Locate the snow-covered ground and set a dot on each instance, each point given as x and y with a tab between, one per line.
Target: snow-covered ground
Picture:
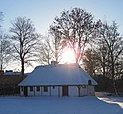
113	100
61	105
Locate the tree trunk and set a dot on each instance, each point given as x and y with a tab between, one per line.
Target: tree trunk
103	70
22	68
113	76
1	67
78	51
56	55
115	87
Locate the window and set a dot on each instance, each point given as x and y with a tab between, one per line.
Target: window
38	88
89	82
45	89
31	88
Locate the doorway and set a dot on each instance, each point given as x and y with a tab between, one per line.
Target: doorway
25	91
65	90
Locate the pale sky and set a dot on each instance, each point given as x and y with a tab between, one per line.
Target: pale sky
43	12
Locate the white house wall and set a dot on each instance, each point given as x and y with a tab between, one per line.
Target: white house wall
37	93
90	90
30	93
57	91
46	93
21	91
84	91
54	90
51	91
73	91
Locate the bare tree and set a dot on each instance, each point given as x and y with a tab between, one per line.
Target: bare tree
45	54
49	50
57	44
114	45
90	61
4	51
103	57
4	47
76	28
24	40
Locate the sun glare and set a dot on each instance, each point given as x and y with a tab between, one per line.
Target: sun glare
68	56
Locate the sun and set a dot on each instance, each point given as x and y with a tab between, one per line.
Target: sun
68	56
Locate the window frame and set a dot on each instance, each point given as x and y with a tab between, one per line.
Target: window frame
45	88
31	88
38	88
89	82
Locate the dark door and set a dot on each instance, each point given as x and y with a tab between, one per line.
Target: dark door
25	91
65	90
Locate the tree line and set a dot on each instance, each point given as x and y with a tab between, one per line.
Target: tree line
97	45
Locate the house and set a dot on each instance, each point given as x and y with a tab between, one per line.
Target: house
58	80
11	73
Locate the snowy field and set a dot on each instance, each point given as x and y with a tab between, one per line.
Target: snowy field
61	105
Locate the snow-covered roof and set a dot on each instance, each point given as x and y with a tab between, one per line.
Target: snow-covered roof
59	74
